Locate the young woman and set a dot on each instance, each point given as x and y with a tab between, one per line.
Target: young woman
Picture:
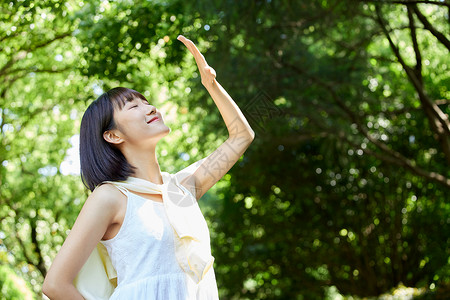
148	220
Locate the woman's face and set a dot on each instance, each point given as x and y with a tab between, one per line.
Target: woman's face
138	122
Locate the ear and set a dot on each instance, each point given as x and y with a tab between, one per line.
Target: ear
112	137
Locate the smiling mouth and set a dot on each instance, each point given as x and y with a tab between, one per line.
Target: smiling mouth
153	120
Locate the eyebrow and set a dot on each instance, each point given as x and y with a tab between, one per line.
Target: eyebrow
135	99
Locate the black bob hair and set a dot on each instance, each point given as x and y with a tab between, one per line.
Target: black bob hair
100	160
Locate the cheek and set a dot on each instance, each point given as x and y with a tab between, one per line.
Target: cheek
131	128
119	124
123	125
125	119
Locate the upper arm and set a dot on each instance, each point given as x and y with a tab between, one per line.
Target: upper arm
97	214
189	170
207	171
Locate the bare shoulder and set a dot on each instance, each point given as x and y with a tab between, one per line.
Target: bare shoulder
107	192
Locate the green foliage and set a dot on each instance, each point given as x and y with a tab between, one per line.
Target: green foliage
13	287
322	200
344	188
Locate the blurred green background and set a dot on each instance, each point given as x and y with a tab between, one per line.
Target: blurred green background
343	194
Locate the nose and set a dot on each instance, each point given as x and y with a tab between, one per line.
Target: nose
151	110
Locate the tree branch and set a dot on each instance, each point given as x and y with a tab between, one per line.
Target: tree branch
41	264
393	157
23	52
438	119
297	138
16	33
418	67
48	42
406	2
28	259
7	85
441	38
10	63
31	70
442	102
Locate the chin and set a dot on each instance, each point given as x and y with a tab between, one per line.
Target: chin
164	132
168	130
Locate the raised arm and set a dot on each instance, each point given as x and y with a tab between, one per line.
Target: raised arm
98	212
212	168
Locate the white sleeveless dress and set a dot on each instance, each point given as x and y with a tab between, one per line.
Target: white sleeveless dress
143	254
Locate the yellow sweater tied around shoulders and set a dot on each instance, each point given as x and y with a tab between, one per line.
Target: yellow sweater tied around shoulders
97	279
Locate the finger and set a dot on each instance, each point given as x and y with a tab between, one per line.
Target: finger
187	42
199	58
192	48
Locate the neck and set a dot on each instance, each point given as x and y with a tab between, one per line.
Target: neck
146	164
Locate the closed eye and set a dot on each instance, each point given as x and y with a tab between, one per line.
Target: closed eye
144	101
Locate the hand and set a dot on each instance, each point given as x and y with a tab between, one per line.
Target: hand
207	73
